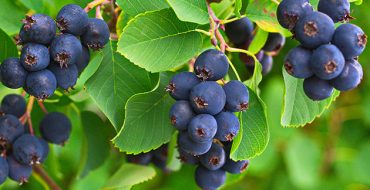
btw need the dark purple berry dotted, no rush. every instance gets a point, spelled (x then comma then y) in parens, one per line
(141, 159)
(248, 60)
(28, 150)
(208, 98)
(192, 147)
(338, 10)
(41, 84)
(72, 19)
(297, 62)
(350, 39)
(235, 167)
(35, 57)
(17, 171)
(96, 35)
(214, 159)
(317, 89)
(45, 150)
(327, 62)
(274, 43)
(4, 170)
(10, 129)
(209, 179)
(187, 158)
(55, 128)
(227, 126)
(181, 84)
(237, 96)
(266, 63)
(66, 50)
(13, 104)
(160, 157)
(289, 12)
(211, 65)
(84, 60)
(202, 128)
(239, 31)
(181, 114)
(37, 28)
(13, 75)
(66, 76)
(350, 77)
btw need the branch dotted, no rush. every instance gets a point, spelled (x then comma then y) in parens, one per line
(94, 3)
(45, 176)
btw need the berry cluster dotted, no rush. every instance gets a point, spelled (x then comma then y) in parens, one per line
(158, 157)
(327, 57)
(47, 60)
(203, 114)
(241, 34)
(20, 149)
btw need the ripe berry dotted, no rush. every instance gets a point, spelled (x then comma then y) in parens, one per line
(214, 159)
(297, 62)
(10, 129)
(45, 149)
(350, 39)
(208, 98)
(338, 10)
(181, 114)
(37, 28)
(28, 150)
(266, 63)
(227, 126)
(41, 84)
(96, 35)
(289, 12)
(350, 77)
(235, 167)
(55, 128)
(181, 84)
(248, 60)
(12, 73)
(4, 170)
(192, 147)
(202, 128)
(35, 57)
(72, 19)
(211, 65)
(274, 43)
(160, 157)
(239, 31)
(13, 104)
(237, 96)
(141, 159)
(187, 158)
(327, 62)
(317, 89)
(84, 60)
(66, 76)
(209, 179)
(17, 171)
(66, 49)
(314, 30)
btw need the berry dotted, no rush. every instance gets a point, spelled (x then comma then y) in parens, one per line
(35, 57)
(45, 149)
(181, 114)
(66, 76)
(38, 28)
(227, 126)
(350, 77)
(297, 62)
(289, 12)
(10, 129)
(12, 73)
(187, 158)
(84, 60)
(192, 147)
(314, 30)
(266, 63)
(55, 128)
(208, 98)
(211, 65)
(96, 35)
(237, 96)
(239, 31)
(274, 43)
(181, 84)
(209, 179)
(327, 62)
(350, 39)
(202, 128)
(214, 159)
(13, 104)
(28, 150)
(141, 159)
(248, 60)
(4, 170)
(317, 89)
(160, 157)
(17, 171)
(338, 10)
(235, 167)
(41, 84)
(72, 19)
(66, 49)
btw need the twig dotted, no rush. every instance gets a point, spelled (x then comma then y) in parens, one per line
(94, 4)
(42, 106)
(45, 176)
(98, 12)
(28, 114)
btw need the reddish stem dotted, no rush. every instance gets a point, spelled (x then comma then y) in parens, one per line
(44, 175)
(42, 106)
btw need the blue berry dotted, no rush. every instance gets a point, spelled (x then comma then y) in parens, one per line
(66, 49)
(211, 65)
(209, 179)
(41, 84)
(314, 30)
(338, 10)
(350, 39)
(55, 128)
(13, 75)
(237, 96)
(4, 170)
(141, 159)
(266, 63)
(38, 28)
(35, 57)
(192, 147)
(10, 129)
(181, 114)
(72, 19)
(327, 62)
(181, 84)
(187, 158)
(208, 98)
(239, 31)
(235, 167)
(96, 35)
(350, 77)
(28, 150)
(160, 157)
(248, 60)
(214, 159)
(17, 171)
(274, 43)
(13, 104)
(66, 76)
(297, 62)
(317, 89)
(202, 128)
(84, 60)
(289, 12)
(227, 126)
(45, 150)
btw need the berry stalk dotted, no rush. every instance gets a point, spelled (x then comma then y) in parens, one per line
(45, 176)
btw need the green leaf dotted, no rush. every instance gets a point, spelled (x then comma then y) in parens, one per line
(135, 7)
(159, 41)
(173, 163)
(298, 109)
(7, 47)
(238, 7)
(115, 81)
(256, 79)
(190, 10)
(224, 9)
(258, 41)
(41, 6)
(129, 175)
(146, 125)
(11, 16)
